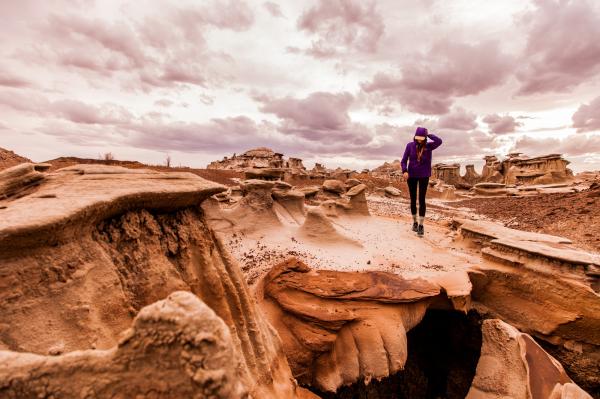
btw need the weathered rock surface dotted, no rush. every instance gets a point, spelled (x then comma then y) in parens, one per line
(90, 249)
(513, 365)
(334, 186)
(339, 328)
(177, 347)
(20, 180)
(543, 286)
(9, 159)
(392, 192)
(358, 200)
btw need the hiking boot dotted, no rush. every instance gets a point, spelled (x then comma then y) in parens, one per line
(420, 230)
(415, 226)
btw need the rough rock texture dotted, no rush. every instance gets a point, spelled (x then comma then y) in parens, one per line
(449, 174)
(334, 186)
(177, 347)
(358, 200)
(392, 192)
(77, 266)
(292, 202)
(543, 286)
(513, 365)
(256, 158)
(338, 327)
(317, 227)
(264, 173)
(254, 210)
(20, 180)
(9, 159)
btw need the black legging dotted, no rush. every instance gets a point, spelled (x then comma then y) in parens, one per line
(422, 182)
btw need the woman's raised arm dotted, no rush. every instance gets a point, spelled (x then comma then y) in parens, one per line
(435, 141)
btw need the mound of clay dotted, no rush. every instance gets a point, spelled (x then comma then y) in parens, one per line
(337, 327)
(9, 159)
(96, 244)
(176, 348)
(513, 365)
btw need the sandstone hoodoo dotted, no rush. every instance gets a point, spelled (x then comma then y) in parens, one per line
(516, 169)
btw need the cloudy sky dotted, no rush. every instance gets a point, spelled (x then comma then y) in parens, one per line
(344, 82)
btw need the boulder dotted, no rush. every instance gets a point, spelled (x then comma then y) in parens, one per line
(352, 182)
(334, 186)
(392, 192)
(309, 191)
(265, 173)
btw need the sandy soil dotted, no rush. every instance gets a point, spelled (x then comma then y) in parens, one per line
(575, 216)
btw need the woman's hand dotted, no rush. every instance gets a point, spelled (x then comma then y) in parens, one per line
(405, 175)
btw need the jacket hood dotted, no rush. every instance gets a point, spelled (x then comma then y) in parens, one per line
(421, 131)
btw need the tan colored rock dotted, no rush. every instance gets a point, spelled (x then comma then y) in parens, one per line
(21, 179)
(352, 182)
(358, 200)
(392, 192)
(177, 347)
(8, 159)
(318, 228)
(334, 186)
(264, 173)
(78, 265)
(309, 191)
(513, 365)
(333, 325)
(293, 203)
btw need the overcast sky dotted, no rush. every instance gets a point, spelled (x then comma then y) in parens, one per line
(333, 81)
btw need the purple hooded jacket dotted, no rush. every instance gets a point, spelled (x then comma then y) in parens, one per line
(423, 168)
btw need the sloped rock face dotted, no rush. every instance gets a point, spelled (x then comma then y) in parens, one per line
(513, 365)
(541, 285)
(9, 159)
(177, 347)
(78, 265)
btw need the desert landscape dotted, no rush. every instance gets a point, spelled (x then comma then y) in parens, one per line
(320, 199)
(265, 279)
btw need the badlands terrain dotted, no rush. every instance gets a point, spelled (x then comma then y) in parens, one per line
(259, 278)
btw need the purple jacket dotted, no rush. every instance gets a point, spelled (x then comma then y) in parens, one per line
(423, 168)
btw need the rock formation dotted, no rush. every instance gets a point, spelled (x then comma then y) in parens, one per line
(334, 186)
(20, 180)
(333, 330)
(89, 251)
(358, 200)
(9, 159)
(449, 174)
(256, 158)
(177, 347)
(513, 365)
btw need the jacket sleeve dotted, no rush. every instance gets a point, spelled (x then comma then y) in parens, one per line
(435, 141)
(405, 158)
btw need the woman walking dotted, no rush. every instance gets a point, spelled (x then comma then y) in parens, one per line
(416, 169)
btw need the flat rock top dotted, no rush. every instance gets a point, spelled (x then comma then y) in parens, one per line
(556, 251)
(89, 193)
(368, 286)
(497, 231)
